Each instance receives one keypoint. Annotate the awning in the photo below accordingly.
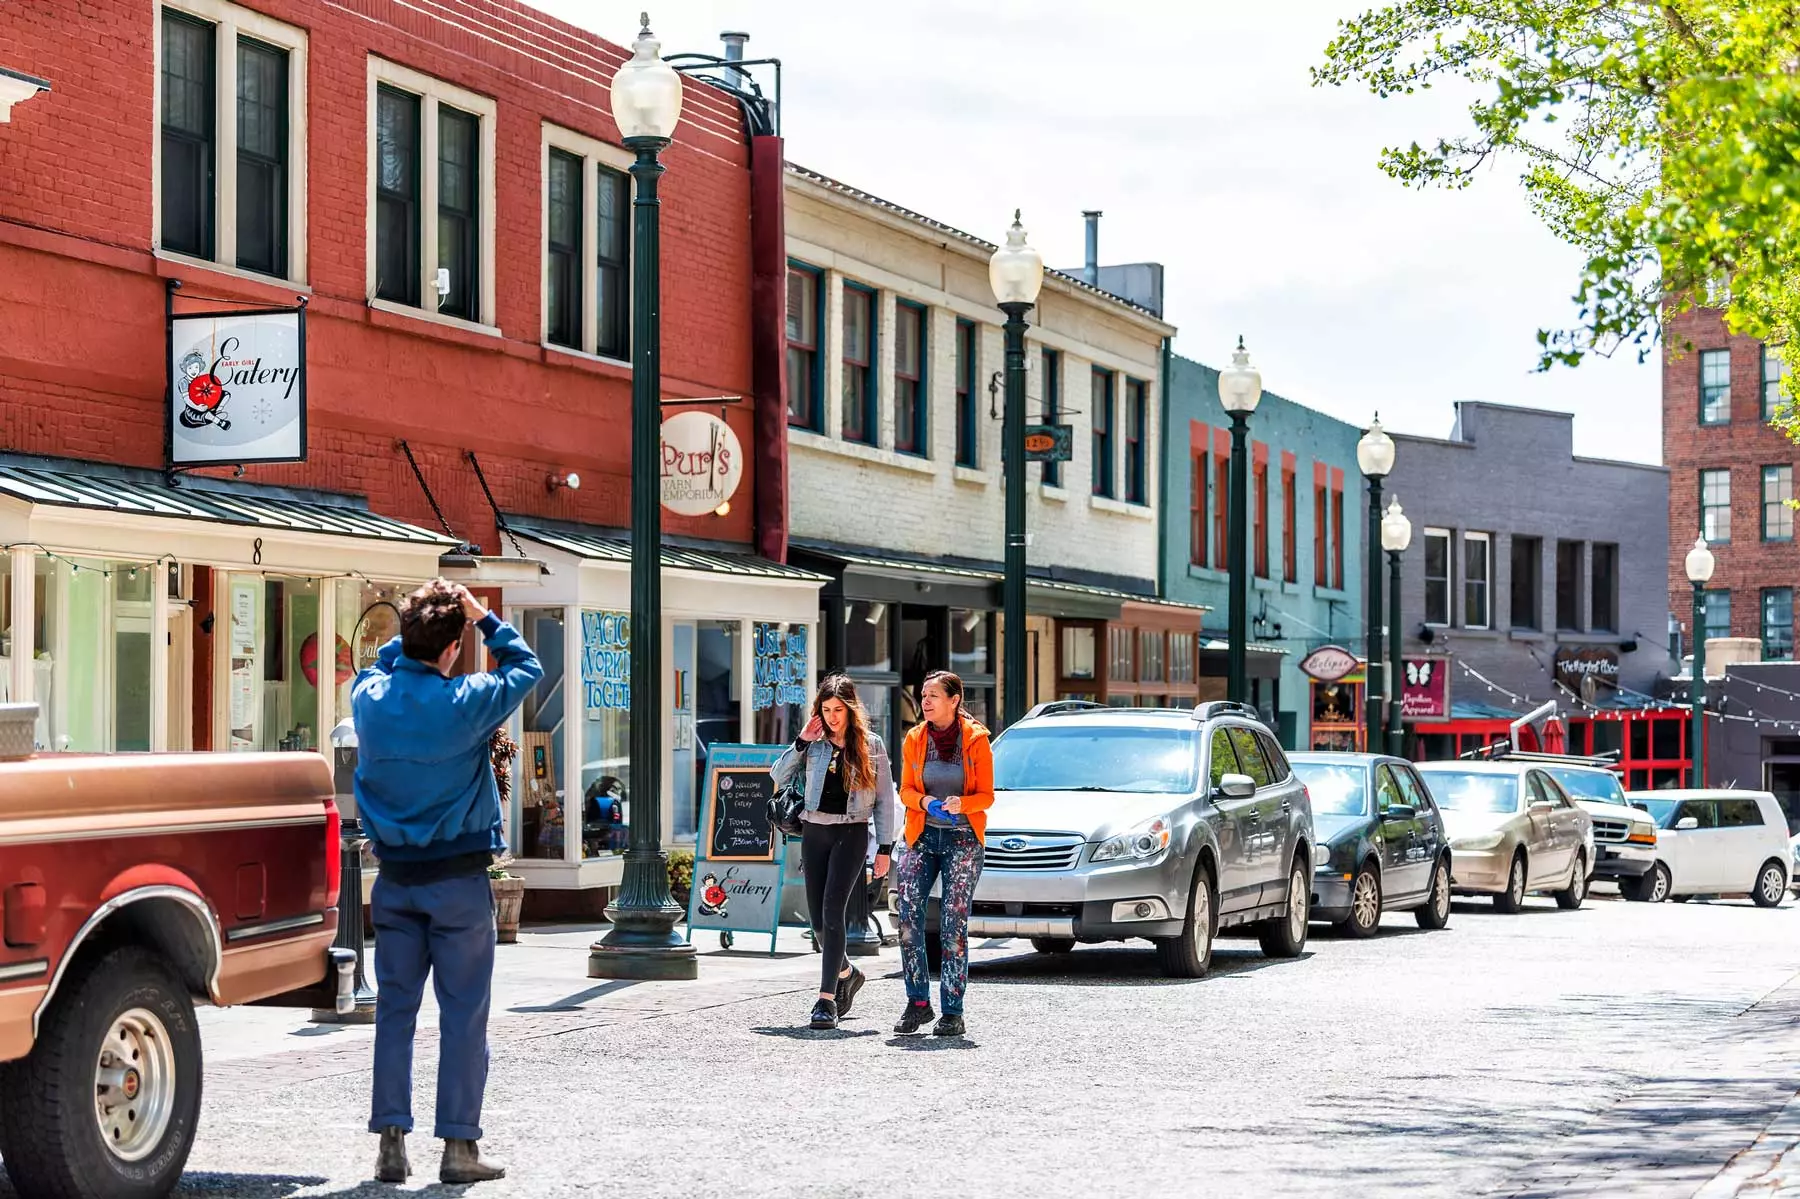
(598, 548)
(1085, 601)
(884, 578)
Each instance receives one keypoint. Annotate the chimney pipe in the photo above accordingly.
(734, 50)
(1092, 273)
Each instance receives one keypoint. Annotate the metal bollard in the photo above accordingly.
(860, 941)
(350, 930)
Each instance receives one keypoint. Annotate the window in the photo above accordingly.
(859, 399)
(1290, 562)
(1181, 657)
(1603, 589)
(968, 369)
(1477, 560)
(1740, 813)
(431, 196)
(1223, 759)
(1052, 408)
(1150, 655)
(1137, 437)
(1777, 501)
(1101, 406)
(1077, 652)
(1778, 624)
(1715, 506)
(1197, 511)
(1437, 577)
(1715, 615)
(1527, 589)
(1121, 665)
(1321, 506)
(587, 201)
(1568, 585)
(612, 266)
(232, 191)
(1221, 511)
(909, 379)
(1774, 370)
(1337, 537)
(562, 253)
(804, 330)
(1715, 387)
(1250, 755)
(1259, 519)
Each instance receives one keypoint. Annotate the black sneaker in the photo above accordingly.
(949, 1026)
(825, 1013)
(847, 988)
(915, 1017)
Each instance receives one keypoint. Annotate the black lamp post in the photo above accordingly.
(1015, 272)
(1375, 458)
(350, 876)
(1240, 390)
(1396, 535)
(643, 944)
(1700, 565)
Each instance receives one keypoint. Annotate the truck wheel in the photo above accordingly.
(1569, 899)
(1365, 904)
(1285, 935)
(1513, 898)
(115, 1084)
(1771, 885)
(1434, 913)
(1053, 944)
(1190, 954)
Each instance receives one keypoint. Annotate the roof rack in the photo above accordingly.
(1504, 750)
(1224, 707)
(1062, 707)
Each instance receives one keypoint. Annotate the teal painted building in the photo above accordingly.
(1307, 526)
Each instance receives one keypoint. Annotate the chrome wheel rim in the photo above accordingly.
(1771, 884)
(1297, 906)
(134, 1085)
(1202, 920)
(1365, 904)
(1440, 891)
(1659, 887)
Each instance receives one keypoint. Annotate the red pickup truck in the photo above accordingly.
(130, 886)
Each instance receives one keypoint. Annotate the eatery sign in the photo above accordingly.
(1329, 663)
(236, 387)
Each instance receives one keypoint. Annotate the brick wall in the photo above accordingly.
(1743, 445)
(81, 288)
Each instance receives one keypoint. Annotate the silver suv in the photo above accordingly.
(1113, 823)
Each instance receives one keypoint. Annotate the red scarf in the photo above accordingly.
(947, 740)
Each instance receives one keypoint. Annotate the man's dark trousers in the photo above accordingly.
(446, 927)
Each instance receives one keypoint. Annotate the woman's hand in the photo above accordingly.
(881, 865)
(953, 805)
(815, 728)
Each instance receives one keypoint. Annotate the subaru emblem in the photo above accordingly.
(1013, 844)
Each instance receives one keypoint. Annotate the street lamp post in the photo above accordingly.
(1240, 390)
(1016, 273)
(643, 944)
(1700, 565)
(1396, 535)
(1375, 458)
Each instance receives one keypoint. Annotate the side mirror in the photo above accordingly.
(1687, 822)
(1400, 812)
(1237, 786)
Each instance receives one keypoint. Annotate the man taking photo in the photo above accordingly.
(425, 791)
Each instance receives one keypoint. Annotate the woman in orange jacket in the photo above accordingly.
(946, 787)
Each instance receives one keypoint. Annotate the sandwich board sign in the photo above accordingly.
(739, 858)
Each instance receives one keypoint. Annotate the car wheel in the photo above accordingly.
(1365, 904)
(1190, 954)
(1513, 898)
(1570, 897)
(1285, 935)
(1435, 912)
(1771, 885)
(1660, 885)
(1053, 944)
(116, 1079)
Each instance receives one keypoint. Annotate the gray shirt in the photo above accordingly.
(942, 779)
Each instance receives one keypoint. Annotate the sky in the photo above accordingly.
(1194, 126)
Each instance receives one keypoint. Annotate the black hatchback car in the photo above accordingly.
(1381, 842)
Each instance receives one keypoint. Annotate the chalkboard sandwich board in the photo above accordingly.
(736, 823)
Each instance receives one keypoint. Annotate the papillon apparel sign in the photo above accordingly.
(237, 387)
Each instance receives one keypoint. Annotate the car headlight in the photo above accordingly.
(1479, 843)
(1147, 840)
(1642, 834)
(1321, 856)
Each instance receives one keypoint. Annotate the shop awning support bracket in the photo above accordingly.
(462, 547)
(499, 517)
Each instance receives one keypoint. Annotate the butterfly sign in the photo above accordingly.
(1425, 689)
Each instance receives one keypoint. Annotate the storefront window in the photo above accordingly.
(1181, 657)
(272, 663)
(538, 787)
(867, 645)
(969, 640)
(782, 688)
(1150, 655)
(1121, 664)
(705, 705)
(1077, 652)
(367, 618)
(92, 651)
(606, 732)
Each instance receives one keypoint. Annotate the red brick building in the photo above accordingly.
(1730, 477)
(338, 153)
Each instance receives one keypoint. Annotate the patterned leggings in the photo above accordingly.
(955, 853)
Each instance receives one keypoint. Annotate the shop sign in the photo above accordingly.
(702, 463)
(780, 668)
(1425, 691)
(1329, 663)
(237, 387)
(605, 662)
(1574, 665)
(1049, 443)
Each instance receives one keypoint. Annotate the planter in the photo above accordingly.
(509, 896)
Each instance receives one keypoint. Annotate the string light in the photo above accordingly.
(76, 565)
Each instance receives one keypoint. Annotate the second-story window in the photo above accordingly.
(1259, 518)
(1137, 440)
(587, 250)
(1774, 370)
(859, 401)
(805, 327)
(1290, 517)
(1715, 387)
(910, 406)
(1715, 506)
(1777, 503)
(458, 212)
(562, 257)
(1197, 511)
(1221, 511)
(1437, 577)
(1100, 406)
(397, 189)
(1478, 561)
(1337, 535)
(968, 369)
(1052, 361)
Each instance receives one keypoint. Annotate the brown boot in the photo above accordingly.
(463, 1163)
(391, 1164)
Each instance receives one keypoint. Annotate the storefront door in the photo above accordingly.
(704, 699)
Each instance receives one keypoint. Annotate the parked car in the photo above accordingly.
(1167, 824)
(1794, 863)
(1716, 843)
(1382, 844)
(1624, 838)
(1513, 831)
(134, 885)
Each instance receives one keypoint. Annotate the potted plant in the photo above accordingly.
(509, 897)
(681, 875)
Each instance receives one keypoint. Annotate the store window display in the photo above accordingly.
(272, 662)
(91, 650)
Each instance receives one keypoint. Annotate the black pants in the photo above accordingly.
(832, 856)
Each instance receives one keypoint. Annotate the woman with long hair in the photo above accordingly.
(848, 780)
(946, 786)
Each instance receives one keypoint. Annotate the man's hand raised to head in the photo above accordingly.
(470, 605)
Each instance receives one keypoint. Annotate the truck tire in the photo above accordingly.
(123, 1024)
(1285, 935)
(1190, 954)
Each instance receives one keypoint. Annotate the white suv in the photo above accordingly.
(1715, 842)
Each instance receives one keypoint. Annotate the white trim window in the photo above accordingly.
(229, 159)
(587, 245)
(430, 198)
(1477, 579)
(1437, 578)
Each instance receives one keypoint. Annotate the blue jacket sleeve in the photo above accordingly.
(387, 656)
(487, 699)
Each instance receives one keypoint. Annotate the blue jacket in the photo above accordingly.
(424, 779)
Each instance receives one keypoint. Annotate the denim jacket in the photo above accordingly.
(877, 801)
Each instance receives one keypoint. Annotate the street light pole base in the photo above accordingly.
(671, 962)
(362, 1013)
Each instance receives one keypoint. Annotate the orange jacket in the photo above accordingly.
(978, 790)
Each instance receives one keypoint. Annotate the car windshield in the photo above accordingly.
(1602, 785)
(1047, 756)
(1337, 789)
(1661, 810)
(1470, 791)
